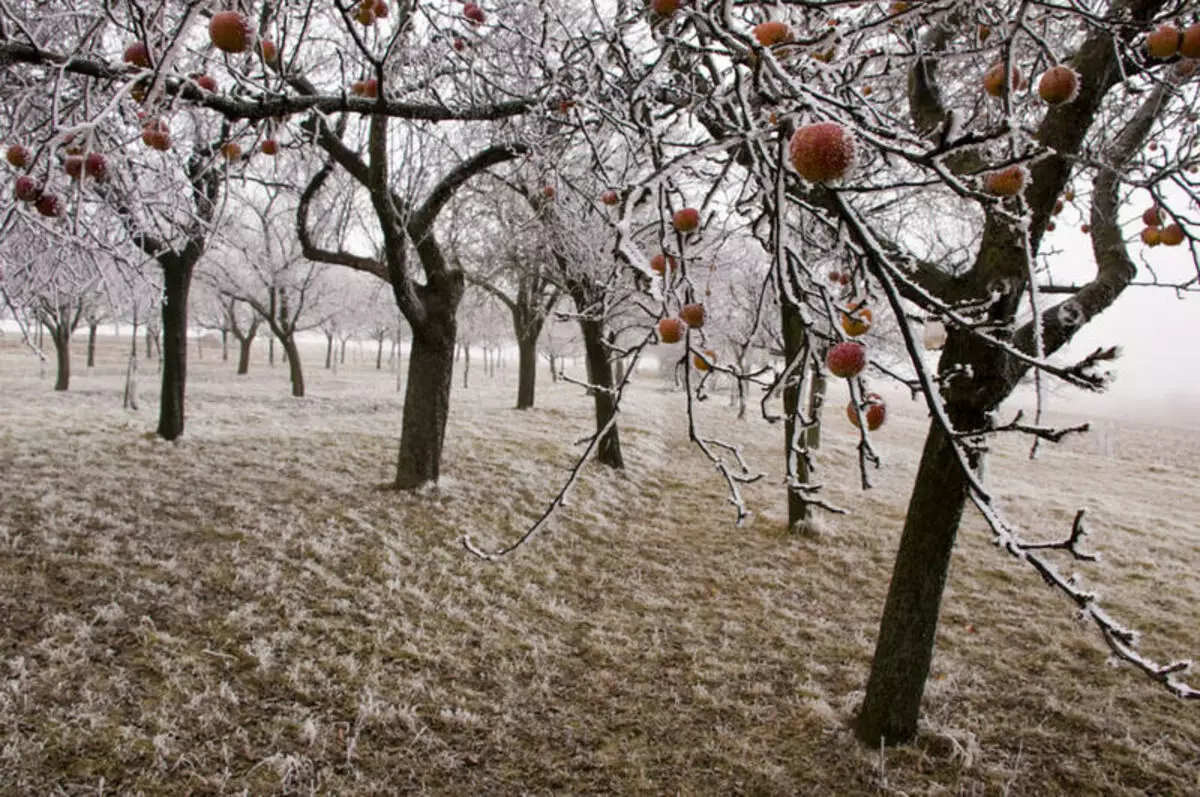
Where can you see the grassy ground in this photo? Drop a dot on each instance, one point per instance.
(249, 611)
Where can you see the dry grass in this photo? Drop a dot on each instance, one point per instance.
(248, 611)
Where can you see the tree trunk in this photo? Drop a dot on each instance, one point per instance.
(61, 335)
(553, 368)
(466, 354)
(526, 371)
(793, 341)
(328, 351)
(271, 352)
(342, 355)
(379, 356)
(294, 370)
(816, 404)
(224, 345)
(600, 374)
(177, 282)
(91, 347)
(426, 406)
(244, 345)
(904, 649)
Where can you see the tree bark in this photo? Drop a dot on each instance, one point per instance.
(91, 344)
(224, 345)
(60, 333)
(904, 649)
(177, 282)
(328, 351)
(342, 354)
(466, 354)
(553, 368)
(379, 356)
(600, 374)
(426, 405)
(271, 352)
(793, 342)
(294, 369)
(527, 370)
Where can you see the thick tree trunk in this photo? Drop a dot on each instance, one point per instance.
(91, 346)
(904, 649)
(600, 374)
(328, 351)
(527, 371)
(61, 335)
(294, 370)
(426, 406)
(815, 407)
(793, 341)
(244, 345)
(177, 282)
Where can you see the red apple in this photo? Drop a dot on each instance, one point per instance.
(381, 9)
(474, 14)
(138, 55)
(771, 33)
(702, 363)
(549, 192)
(1005, 182)
(230, 32)
(231, 151)
(847, 359)
(693, 315)
(661, 262)
(670, 330)
(1163, 42)
(856, 322)
(73, 166)
(821, 152)
(665, 8)
(1059, 84)
(686, 220)
(365, 88)
(204, 81)
(610, 197)
(95, 166)
(875, 411)
(270, 147)
(994, 83)
(269, 51)
(366, 12)
(460, 45)
(49, 205)
(156, 135)
(1152, 216)
(1151, 236)
(18, 156)
(25, 189)
(1171, 235)
(1189, 44)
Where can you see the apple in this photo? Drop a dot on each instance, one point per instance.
(1152, 216)
(610, 197)
(693, 315)
(73, 166)
(156, 135)
(366, 12)
(204, 81)
(381, 9)
(984, 33)
(460, 45)
(49, 205)
(1163, 42)
(269, 51)
(1005, 182)
(661, 262)
(772, 33)
(231, 151)
(702, 363)
(1189, 44)
(821, 152)
(474, 14)
(138, 55)
(230, 32)
(270, 147)
(846, 359)
(1085, 228)
(25, 189)
(1171, 235)
(856, 321)
(1151, 236)
(897, 8)
(95, 166)
(686, 220)
(994, 83)
(670, 330)
(1059, 84)
(365, 88)
(18, 156)
(875, 412)
(549, 192)
(665, 8)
